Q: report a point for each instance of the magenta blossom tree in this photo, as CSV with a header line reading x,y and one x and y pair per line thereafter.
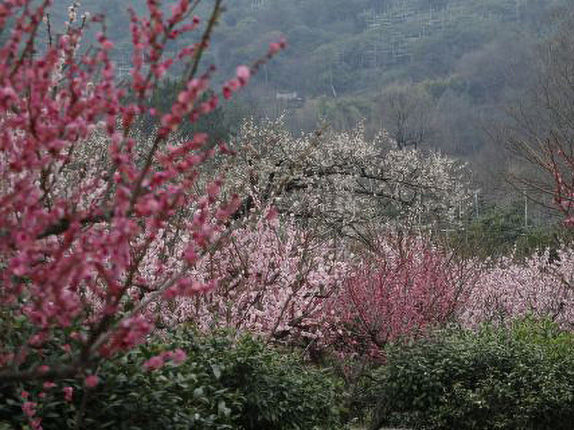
x,y
74,234
406,286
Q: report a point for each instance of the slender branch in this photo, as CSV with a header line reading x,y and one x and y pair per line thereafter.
x,y
64,224
214,18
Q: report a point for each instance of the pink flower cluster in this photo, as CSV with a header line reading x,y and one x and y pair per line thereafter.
x,y
30,410
233,85
539,286
272,279
157,362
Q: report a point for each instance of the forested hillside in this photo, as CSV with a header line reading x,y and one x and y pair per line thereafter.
x,y
341,49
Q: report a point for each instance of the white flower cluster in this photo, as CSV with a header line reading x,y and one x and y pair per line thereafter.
x,y
344,180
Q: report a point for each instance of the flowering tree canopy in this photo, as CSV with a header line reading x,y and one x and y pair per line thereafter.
x,y
342,180
406,286
273,279
540,286
75,234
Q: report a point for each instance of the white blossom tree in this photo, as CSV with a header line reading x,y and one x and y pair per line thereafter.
x,y
345,181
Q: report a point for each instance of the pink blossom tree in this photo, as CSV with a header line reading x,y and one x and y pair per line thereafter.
x,y
406,286
539,286
273,280
74,235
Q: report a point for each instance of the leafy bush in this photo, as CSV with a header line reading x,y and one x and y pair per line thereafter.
x,y
500,231
363,391
521,377
223,384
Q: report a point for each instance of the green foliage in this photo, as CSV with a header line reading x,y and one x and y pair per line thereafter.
x,y
223,384
501,231
520,377
280,393
363,393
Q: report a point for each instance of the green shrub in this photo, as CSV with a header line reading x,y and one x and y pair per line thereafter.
x,y
223,384
520,377
363,391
